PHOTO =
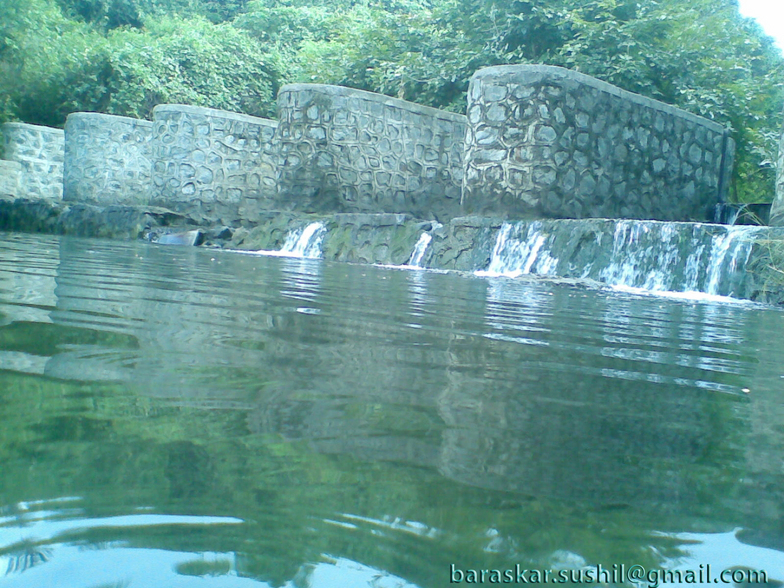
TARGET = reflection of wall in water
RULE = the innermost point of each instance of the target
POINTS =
(186, 325)
(559, 420)
(571, 419)
(29, 290)
(28, 293)
(483, 382)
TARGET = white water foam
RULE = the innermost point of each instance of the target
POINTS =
(303, 243)
(729, 255)
(645, 255)
(419, 250)
(635, 263)
(512, 257)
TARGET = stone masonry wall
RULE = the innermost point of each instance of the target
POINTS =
(107, 159)
(345, 150)
(777, 210)
(39, 151)
(549, 142)
(10, 173)
(214, 165)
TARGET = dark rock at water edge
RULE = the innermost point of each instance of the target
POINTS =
(85, 220)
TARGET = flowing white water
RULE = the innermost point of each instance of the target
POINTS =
(645, 255)
(304, 242)
(729, 254)
(513, 256)
(419, 250)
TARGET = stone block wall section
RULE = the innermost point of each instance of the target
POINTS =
(10, 174)
(39, 151)
(107, 159)
(214, 165)
(345, 150)
(777, 210)
(545, 141)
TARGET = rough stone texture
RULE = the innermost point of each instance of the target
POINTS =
(270, 231)
(107, 159)
(215, 165)
(345, 150)
(777, 210)
(39, 150)
(372, 238)
(544, 141)
(464, 244)
(10, 174)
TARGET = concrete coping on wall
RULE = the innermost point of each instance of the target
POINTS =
(344, 92)
(99, 117)
(29, 127)
(213, 113)
(528, 74)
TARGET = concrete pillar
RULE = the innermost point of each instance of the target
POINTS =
(107, 159)
(39, 152)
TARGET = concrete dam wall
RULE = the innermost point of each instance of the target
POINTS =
(346, 150)
(538, 142)
(216, 165)
(547, 142)
(38, 151)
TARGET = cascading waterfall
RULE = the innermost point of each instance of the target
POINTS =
(642, 257)
(513, 256)
(303, 242)
(649, 255)
(419, 250)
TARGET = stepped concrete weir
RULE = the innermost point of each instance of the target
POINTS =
(107, 159)
(345, 150)
(547, 142)
(214, 165)
(39, 152)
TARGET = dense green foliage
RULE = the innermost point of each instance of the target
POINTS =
(125, 56)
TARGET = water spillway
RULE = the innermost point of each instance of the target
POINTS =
(649, 255)
(655, 256)
(419, 250)
(304, 241)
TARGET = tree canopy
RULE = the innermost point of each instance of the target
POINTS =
(125, 56)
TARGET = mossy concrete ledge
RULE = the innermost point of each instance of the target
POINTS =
(344, 150)
(213, 165)
(350, 237)
(107, 159)
(40, 152)
(547, 142)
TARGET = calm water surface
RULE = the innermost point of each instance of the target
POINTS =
(183, 417)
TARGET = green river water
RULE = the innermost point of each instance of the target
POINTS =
(181, 417)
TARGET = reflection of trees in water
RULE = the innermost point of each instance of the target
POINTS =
(19, 562)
